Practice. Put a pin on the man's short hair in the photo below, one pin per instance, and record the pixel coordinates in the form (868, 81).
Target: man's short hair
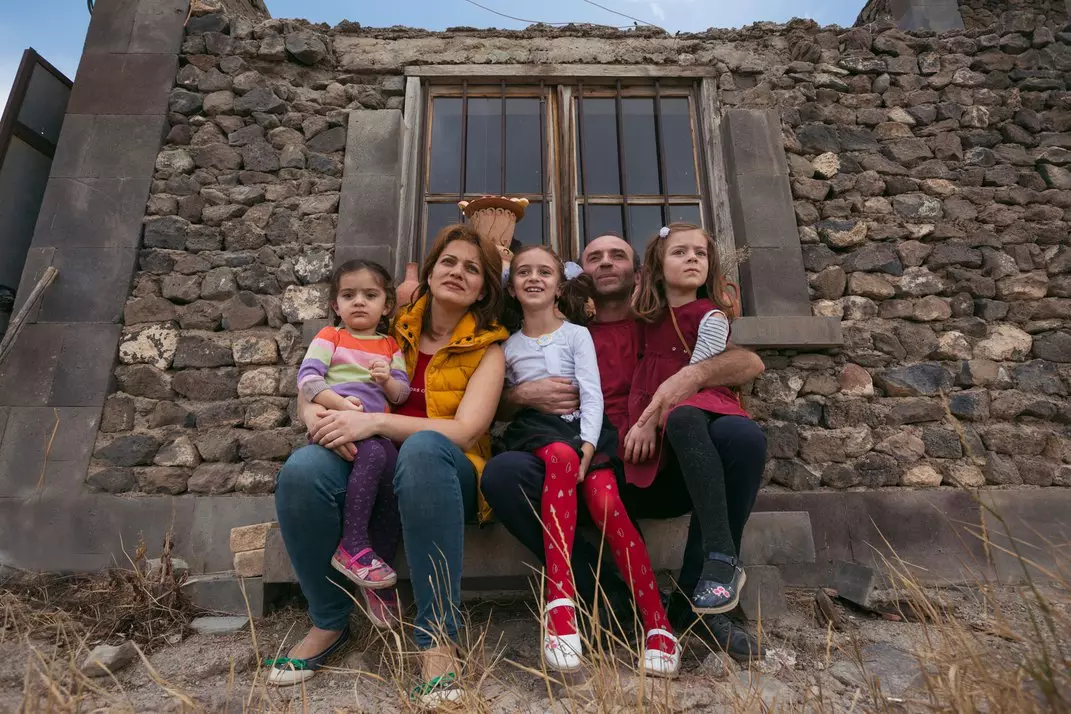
(635, 254)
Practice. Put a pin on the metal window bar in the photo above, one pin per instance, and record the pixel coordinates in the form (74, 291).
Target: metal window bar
(622, 173)
(581, 150)
(502, 174)
(661, 140)
(464, 138)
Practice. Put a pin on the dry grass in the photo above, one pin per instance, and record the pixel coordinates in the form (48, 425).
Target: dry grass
(1000, 655)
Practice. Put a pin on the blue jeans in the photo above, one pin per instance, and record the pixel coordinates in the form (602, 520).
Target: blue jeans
(436, 488)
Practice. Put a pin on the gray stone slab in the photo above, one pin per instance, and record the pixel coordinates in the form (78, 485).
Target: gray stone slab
(87, 146)
(753, 145)
(935, 15)
(219, 624)
(27, 373)
(115, 83)
(158, 26)
(795, 332)
(207, 544)
(775, 537)
(854, 582)
(763, 597)
(92, 285)
(761, 208)
(368, 210)
(110, 26)
(92, 213)
(310, 328)
(373, 143)
(1033, 523)
(84, 375)
(773, 283)
(884, 668)
(64, 435)
(223, 592)
(277, 568)
(37, 260)
(829, 528)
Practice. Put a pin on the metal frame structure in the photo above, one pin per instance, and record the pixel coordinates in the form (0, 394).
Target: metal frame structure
(10, 125)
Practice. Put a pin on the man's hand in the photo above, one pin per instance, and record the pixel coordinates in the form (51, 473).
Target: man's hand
(380, 371)
(587, 452)
(552, 395)
(640, 443)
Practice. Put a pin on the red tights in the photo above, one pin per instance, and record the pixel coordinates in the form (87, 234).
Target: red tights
(559, 513)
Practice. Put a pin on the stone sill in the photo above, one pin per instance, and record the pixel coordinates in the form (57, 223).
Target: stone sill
(789, 332)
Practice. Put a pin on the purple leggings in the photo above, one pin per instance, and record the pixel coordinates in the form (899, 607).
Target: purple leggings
(370, 514)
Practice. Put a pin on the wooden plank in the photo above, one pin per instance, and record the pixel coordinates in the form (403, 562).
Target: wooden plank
(550, 72)
(724, 236)
(409, 203)
(567, 246)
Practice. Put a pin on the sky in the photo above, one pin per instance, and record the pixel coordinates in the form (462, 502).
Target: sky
(57, 28)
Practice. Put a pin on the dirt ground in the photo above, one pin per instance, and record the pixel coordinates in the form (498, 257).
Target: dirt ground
(808, 666)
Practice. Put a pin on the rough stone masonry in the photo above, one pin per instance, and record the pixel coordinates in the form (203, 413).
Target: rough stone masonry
(931, 178)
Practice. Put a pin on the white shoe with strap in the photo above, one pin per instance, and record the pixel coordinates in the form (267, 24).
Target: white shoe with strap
(658, 663)
(561, 652)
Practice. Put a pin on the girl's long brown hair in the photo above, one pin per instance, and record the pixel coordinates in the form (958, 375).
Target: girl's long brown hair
(571, 302)
(487, 309)
(649, 300)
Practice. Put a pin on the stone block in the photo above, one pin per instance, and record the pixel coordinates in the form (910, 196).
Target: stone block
(254, 537)
(763, 597)
(774, 538)
(65, 435)
(752, 143)
(73, 215)
(854, 582)
(84, 370)
(27, 373)
(118, 84)
(87, 144)
(226, 593)
(219, 625)
(762, 212)
(92, 285)
(158, 26)
(774, 283)
(363, 222)
(249, 564)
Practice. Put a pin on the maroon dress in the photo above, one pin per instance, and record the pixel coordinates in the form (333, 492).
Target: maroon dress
(663, 356)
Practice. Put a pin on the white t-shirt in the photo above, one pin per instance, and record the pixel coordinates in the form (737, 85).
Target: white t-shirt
(567, 352)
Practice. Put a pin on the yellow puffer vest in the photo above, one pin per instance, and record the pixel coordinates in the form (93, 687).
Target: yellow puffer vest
(448, 374)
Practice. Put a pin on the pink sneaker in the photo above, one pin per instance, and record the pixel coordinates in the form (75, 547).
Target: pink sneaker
(381, 606)
(366, 568)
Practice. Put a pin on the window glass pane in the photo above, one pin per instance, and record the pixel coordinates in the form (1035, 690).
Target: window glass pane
(530, 228)
(524, 150)
(438, 217)
(599, 220)
(444, 165)
(599, 169)
(645, 223)
(483, 174)
(640, 146)
(688, 213)
(678, 146)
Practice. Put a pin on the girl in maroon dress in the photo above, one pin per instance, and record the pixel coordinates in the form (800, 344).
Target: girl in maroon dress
(685, 303)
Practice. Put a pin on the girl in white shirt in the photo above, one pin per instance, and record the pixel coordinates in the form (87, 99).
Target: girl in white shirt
(579, 451)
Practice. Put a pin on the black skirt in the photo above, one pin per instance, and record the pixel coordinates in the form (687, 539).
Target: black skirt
(531, 430)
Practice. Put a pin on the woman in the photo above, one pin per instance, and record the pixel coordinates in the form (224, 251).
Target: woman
(449, 336)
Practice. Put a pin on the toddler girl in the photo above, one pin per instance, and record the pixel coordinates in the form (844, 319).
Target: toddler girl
(578, 450)
(352, 364)
(678, 299)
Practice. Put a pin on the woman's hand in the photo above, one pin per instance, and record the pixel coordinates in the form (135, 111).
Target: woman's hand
(640, 443)
(587, 451)
(337, 429)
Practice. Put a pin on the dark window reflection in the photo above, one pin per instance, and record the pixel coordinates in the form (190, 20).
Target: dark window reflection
(444, 165)
(688, 213)
(439, 216)
(640, 147)
(600, 220)
(599, 145)
(524, 146)
(483, 174)
(645, 224)
(679, 146)
(530, 229)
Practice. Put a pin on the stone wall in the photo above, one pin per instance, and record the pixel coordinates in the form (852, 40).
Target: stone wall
(931, 191)
(1014, 15)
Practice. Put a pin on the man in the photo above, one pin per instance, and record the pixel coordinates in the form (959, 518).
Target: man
(512, 482)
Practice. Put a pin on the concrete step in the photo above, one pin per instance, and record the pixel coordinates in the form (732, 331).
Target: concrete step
(492, 554)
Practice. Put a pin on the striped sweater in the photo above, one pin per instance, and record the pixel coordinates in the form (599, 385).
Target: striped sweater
(340, 361)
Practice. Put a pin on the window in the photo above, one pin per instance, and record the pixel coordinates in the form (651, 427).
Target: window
(636, 162)
(487, 140)
(591, 159)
